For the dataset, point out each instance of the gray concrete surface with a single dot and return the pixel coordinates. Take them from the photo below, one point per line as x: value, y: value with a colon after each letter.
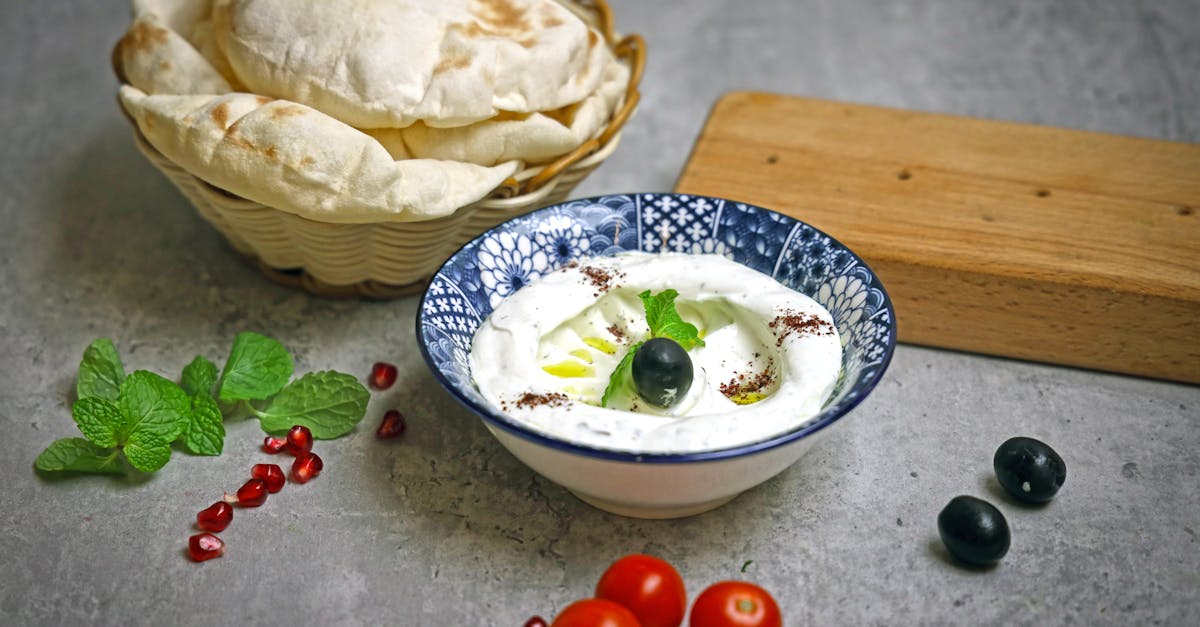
x: 444, y: 527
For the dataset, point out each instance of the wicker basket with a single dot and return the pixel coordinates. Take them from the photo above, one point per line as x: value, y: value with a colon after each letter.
x: 391, y: 259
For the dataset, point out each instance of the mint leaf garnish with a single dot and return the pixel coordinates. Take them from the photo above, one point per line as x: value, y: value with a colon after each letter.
x: 622, y: 375
x: 147, y: 452
x: 664, y: 320
x: 98, y: 420
x: 78, y: 455
x: 152, y: 405
x: 258, y: 366
x: 204, y: 433
x: 199, y: 377
x: 329, y: 403
x: 100, y: 372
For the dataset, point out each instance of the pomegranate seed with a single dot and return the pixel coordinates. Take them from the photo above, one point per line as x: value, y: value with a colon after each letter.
x: 392, y: 425
x: 271, y: 474
x: 205, y: 546
x: 273, y: 444
x: 383, y: 375
x: 536, y: 621
x: 252, y: 494
x: 306, y: 466
x: 215, y: 517
x: 299, y: 440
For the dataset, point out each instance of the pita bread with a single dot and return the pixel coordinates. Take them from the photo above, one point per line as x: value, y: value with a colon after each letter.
x: 530, y: 137
x: 486, y: 86
x: 177, y: 15
x: 192, y: 20
x: 296, y: 159
x: 158, y: 60
x: 390, y: 64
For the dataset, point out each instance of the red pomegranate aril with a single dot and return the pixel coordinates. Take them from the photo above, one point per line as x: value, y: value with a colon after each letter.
x: 271, y: 474
x: 299, y: 440
x: 392, y: 425
x: 252, y: 494
x: 205, y: 546
x: 215, y: 517
x: 273, y: 444
x: 383, y: 375
x: 536, y: 621
x: 306, y: 466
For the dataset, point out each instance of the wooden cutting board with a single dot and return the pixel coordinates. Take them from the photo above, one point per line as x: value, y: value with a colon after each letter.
x: 1038, y: 243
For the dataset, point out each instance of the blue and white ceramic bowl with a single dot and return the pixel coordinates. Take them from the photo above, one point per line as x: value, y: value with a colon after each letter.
x: 497, y: 263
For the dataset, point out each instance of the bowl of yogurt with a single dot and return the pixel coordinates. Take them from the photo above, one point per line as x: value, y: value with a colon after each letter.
x: 657, y: 354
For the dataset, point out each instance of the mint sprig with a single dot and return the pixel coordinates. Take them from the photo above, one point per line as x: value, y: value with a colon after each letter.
x: 79, y: 455
x: 257, y: 368
x: 137, y: 418
x: 147, y: 415
x: 328, y: 403
x: 152, y: 405
x: 98, y: 420
x: 100, y: 372
x: 146, y: 451
x: 204, y: 433
x: 199, y: 377
x: 664, y: 321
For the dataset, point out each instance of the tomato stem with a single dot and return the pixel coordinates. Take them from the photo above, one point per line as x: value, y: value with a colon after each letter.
x: 745, y: 606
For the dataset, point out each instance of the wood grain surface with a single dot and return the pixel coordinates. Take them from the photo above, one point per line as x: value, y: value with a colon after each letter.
x: 1024, y: 241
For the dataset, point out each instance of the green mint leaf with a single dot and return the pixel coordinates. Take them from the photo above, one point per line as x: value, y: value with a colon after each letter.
x: 257, y: 368
x: 329, y: 403
x: 100, y: 372
x: 152, y: 405
x: 199, y: 377
x: 78, y: 455
x: 99, y: 419
x: 621, y: 376
x: 147, y: 452
x: 664, y: 320
x: 205, y: 433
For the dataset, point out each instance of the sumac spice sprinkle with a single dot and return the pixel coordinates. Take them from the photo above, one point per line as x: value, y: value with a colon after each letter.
x: 790, y: 322
x: 617, y: 332
x: 530, y: 400
x: 600, y: 278
x: 744, y: 389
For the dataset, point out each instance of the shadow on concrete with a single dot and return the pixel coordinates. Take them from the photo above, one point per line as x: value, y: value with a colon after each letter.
x: 939, y: 551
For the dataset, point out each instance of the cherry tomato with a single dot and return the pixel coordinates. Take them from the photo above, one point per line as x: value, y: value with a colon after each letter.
x: 595, y: 613
x: 735, y: 604
x: 651, y: 588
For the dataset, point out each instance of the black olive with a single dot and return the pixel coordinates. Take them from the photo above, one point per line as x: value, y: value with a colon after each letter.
x: 1029, y: 469
x: 974, y: 530
x: 662, y: 371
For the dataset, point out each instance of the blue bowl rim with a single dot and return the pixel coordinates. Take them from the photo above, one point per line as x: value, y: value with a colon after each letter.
x: 501, y: 421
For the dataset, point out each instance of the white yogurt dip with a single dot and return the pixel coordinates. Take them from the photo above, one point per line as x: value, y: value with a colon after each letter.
x: 770, y: 359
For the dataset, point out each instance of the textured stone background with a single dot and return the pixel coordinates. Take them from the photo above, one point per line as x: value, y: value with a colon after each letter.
x: 445, y: 527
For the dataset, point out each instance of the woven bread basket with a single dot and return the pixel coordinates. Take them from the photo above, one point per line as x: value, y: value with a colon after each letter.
x: 383, y: 260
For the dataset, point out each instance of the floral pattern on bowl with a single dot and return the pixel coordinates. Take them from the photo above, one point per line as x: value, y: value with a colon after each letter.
x: 497, y: 263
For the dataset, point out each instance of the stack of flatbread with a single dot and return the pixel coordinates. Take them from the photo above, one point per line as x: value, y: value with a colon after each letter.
x: 354, y: 111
